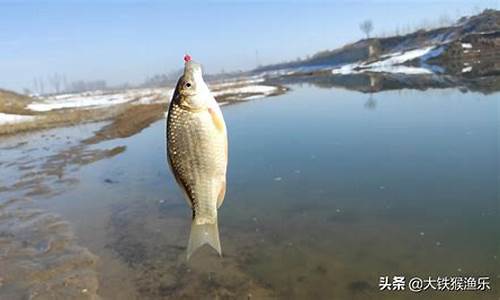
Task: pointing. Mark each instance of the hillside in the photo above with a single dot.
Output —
(14, 103)
(470, 45)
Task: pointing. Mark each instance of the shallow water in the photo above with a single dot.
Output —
(328, 190)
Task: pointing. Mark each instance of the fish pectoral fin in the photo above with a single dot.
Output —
(202, 234)
(222, 193)
(217, 120)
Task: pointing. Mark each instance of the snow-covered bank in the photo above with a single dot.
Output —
(393, 63)
(243, 88)
(98, 99)
(237, 89)
(141, 104)
(13, 119)
(247, 92)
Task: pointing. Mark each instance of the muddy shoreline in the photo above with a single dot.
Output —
(113, 225)
(71, 270)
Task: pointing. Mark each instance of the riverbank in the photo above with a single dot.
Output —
(140, 107)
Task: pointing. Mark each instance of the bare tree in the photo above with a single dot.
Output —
(42, 86)
(367, 27)
(444, 20)
(397, 32)
(371, 103)
(65, 83)
(55, 81)
(426, 24)
(476, 10)
(35, 85)
(83, 86)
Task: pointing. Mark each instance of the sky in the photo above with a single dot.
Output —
(126, 41)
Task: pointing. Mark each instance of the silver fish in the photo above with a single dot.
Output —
(197, 154)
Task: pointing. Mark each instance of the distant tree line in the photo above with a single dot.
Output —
(444, 20)
(58, 83)
(165, 79)
(170, 78)
(86, 85)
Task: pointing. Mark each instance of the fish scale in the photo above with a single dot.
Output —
(197, 154)
(199, 164)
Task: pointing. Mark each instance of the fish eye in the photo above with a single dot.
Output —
(188, 84)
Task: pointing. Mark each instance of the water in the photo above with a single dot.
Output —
(328, 190)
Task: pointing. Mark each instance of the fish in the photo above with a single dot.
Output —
(197, 153)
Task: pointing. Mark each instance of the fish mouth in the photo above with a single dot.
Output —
(192, 79)
(193, 72)
(192, 68)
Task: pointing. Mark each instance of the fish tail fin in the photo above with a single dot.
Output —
(202, 234)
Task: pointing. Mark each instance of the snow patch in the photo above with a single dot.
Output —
(466, 69)
(13, 119)
(466, 46)
(399, 58)
(400, 69)
(432, 53)
(392, 63)
(99, 99)
(264, 90)
(78, 102)
(346, 69)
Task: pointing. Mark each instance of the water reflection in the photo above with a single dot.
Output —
(378, 82)
(324, 197)
(371, 103)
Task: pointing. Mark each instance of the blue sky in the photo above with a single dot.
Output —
(125, 41)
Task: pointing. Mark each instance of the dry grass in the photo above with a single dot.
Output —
(129, 122)
(62, 118)
(128, 119)
(13, 103)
